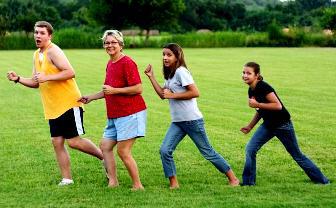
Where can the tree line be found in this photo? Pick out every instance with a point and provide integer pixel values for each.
(174, 16)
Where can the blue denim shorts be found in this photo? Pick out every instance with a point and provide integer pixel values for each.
(127, 127)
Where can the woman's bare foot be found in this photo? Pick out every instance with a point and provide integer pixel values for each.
(113, 185)
(137, 188)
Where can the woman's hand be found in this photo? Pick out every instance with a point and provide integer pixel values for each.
(107, 89)
(85, 99)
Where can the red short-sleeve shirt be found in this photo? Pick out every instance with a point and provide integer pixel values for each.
(123, 73)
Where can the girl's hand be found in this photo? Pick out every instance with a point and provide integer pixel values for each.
(245, 129)
(253, 103)
(168, 94)
(85, 99)
(149, 71)
(107, 89)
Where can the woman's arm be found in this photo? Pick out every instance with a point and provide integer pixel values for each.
(88, 98)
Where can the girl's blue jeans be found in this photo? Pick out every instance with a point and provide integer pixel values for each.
(285, 133)
(196, 131)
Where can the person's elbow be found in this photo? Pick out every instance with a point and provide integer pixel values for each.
(138, 89)
(196, 94)
(71, 74)
(35, 85)
(278, 106)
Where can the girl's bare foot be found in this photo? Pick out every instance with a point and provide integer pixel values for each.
(173, 182)
(174, 187)
(234, 182)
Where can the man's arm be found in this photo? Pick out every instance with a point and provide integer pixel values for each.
(58, 58)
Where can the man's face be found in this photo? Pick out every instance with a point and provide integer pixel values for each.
(42, 37)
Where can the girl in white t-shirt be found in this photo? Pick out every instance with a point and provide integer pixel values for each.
(180, 89)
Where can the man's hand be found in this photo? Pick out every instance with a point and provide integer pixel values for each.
(12, 76)
(40, 77)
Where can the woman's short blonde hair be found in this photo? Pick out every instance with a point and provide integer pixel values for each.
(114, 33)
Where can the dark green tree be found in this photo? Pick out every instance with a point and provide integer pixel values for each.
(328, 20)
(111, 13)
(213, 15)
(156, 14)
(312, 4)
(22, 15)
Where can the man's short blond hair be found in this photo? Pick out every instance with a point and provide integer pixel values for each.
(45, 24)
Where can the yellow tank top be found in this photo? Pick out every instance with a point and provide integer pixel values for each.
(57, 96)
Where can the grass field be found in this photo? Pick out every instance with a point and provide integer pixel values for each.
(303, 77)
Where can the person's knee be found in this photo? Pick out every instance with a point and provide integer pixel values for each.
(105, 147)
(73, 143)
(250, 150)
(209, 155)
(57, 143)
(123, 154)
(165, 152)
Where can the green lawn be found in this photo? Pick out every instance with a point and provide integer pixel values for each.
(303, 77)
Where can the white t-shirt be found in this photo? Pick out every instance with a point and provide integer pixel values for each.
(182, 110)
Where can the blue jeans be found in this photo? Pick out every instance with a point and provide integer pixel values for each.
(285, 133)
(196, 131)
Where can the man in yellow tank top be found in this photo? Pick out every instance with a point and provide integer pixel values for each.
(54, 76)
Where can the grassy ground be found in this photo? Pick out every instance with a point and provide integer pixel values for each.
(303, 77)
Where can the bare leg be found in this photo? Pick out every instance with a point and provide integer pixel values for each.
(233, 180)
(173, 182)
(86, 146)
(125, 154)
(62, 156)
(107, 145)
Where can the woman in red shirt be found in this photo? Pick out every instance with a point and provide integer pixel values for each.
(126, 109)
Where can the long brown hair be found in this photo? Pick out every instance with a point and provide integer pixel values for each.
(178, 52)
(256, 69)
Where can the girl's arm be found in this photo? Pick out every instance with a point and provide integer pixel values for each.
(274, 103)
(253, 122)
(192, 92)
(158, 89)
